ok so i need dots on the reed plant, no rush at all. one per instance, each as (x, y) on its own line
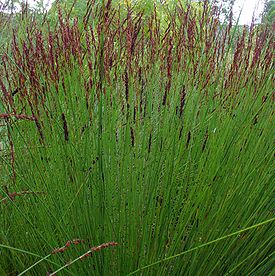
(134, 147)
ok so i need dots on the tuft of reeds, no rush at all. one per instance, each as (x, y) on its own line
(152, 128)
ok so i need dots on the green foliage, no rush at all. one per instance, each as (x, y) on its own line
(77, 8)
(268, 16)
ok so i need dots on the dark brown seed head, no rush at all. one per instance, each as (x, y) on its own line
(65, 127)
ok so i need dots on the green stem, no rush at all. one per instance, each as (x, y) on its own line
(203, 245)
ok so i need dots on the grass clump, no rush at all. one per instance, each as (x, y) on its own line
(157, 139)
